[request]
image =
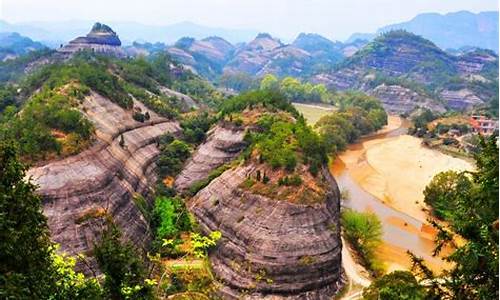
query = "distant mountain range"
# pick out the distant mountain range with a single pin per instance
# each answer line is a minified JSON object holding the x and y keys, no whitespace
{"x":309,"y":53}
{"x":407,"y":71}
{"x":452,"y":30}
{"x":449,"y":31}
{"x":55,"y":33}
{"x":13,"y":44}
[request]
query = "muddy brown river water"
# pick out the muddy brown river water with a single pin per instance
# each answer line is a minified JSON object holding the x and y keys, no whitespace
{"x":385,"y":173}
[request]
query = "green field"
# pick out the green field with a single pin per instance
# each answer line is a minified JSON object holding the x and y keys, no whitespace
{"x":312,"y":112}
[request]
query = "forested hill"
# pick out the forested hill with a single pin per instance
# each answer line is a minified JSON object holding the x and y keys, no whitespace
{"x":406,"y":71}
{"x":51,"y":98}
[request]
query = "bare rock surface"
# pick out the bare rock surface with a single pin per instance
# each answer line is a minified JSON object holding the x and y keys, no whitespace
{"x":79,"y":191}
{"x":461,"y":99}
{"x":271,"y":249}
{"x":222,"y":145}
{"x":397,"y":99}
{"x":188,"y":102}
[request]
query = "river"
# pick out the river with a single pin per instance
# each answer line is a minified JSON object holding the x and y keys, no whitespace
{"x":385,"y":173}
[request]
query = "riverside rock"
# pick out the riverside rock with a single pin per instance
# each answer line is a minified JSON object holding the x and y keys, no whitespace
{"x":271,"y":246}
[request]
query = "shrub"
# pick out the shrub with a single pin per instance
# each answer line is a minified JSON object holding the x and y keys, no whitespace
{"x":396,"y":285}
{"x":172,"y":156}
{"x":171,"y":217}
{"x":364,"y":232}
{"x":139,"y":117}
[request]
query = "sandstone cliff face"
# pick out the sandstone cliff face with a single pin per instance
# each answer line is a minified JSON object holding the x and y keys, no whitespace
{"x":271,"y":248}
{"x":79,"y":191}
{"x":101,"y":39}
{"x":222,"y":145}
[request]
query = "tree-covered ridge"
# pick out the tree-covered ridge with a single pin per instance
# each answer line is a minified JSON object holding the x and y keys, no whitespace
{"x":358,"y":115}
{"x":407,"y":72}
{"x":13,"y":69}
{"x":401,"y":53}
{"x":43,"y":110}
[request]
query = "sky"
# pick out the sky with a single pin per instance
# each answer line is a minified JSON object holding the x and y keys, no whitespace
{"x":336,"y":19}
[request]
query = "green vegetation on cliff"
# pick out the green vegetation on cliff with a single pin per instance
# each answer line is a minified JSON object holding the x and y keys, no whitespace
{"x":44,"y":111}
{"x":30,"y":268}
{"x":296,"y":91}
{"x":49,"y":123}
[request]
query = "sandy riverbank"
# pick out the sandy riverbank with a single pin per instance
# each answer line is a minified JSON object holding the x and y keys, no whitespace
{"x":395,"y":170}
{"x":399,"y":169}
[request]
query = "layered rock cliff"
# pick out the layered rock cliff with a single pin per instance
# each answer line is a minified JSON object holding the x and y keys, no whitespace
{"x":278,"y":241}
{"x":398,"y":100}
{"x":101,"y":39}
{"x":222,"y":145}
{"x":271,"y":248}
{"x":79,"y":192}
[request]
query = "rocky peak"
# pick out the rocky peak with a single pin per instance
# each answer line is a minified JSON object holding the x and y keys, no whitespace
{"x":99,"y":28}
{"x":103,"y":34}
{"x":101,"y":39}
{"x":313,"y":42}
{"x":265,"y":42}
{"x":219,"y":43}
{"x":184,"y":42}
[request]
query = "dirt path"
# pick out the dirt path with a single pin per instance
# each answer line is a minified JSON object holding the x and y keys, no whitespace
{"x":175,"y":263}
{"x":356,"y":280}
{"x":352,"y":269}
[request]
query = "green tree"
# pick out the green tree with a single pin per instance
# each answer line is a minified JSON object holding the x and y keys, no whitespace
{"x":171,"y":217}
{"x":25,"y":248}
{"x":398,"y":285}
{"x":269,"y":82}
{"x":29,"y":266}
{"x":474,"y":218}
{"x":123,"y":267}
{"x":292,"y":89}
{"x":442,"y":193}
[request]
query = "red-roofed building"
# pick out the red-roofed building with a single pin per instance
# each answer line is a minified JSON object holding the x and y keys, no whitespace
{"x":483,"y":125}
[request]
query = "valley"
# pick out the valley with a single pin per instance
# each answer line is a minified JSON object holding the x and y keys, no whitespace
{"x":206,"y":169}
{"x":371,"y":182}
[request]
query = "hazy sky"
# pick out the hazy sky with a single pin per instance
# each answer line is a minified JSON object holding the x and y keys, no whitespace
{"x":336,"y":19}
